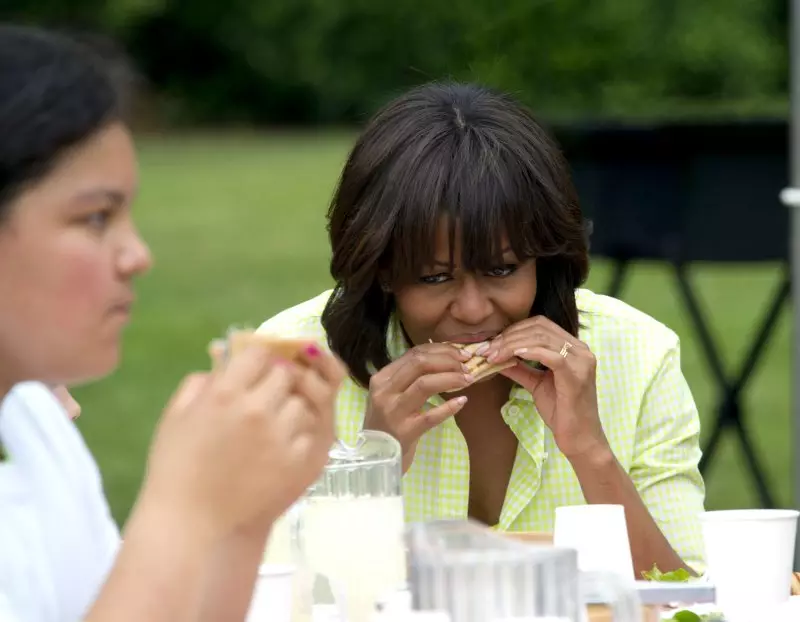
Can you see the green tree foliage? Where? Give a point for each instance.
(306, 61)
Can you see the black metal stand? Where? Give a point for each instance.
(730, 414)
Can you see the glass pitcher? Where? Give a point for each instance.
(476, 575)
(350, 527)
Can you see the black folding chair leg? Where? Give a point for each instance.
(698, 319)
(756, 470)
(729, 413)
(753, 357)
(712, 442)
(620, 272)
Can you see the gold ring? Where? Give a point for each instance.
(565, 349)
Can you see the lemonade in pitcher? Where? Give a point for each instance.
(351, 525)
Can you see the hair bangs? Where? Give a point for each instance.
(487, 199)
(417, 184)
(490, 209)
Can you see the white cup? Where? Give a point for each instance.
(279, 549)
(600, 535)
(750, 555)
(411, 616)
(272, 597)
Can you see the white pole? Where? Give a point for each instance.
(791, 197)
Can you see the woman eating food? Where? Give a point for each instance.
(69, 253)
(458, 254)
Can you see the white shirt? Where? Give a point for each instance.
(57, 537)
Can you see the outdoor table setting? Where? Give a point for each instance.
(344, 554)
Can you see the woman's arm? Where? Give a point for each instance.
(663, 494)
(232, 573)
(662, 526)
(161, 570)
(211, 476)
(665, 464)
(604, 481)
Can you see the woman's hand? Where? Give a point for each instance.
(565, 393)
(239, 445)
(398, 392)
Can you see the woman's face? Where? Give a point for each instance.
(68, 254)
(464, 307)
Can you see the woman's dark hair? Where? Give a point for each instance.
(471, 155)
(54, 94)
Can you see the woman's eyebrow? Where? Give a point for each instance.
(115, 197)
(438, 263)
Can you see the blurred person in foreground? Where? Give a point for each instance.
(456, 232)
(234, 447)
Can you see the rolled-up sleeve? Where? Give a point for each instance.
(666, 457)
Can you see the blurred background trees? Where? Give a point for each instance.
(253, 202)
(273, 62)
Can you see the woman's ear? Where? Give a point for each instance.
(383, 281)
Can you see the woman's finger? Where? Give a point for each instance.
(276, 386)
(541, 323)
(246, 368)
(299, 416)
(329, 367)
(552, 360)
(189, 390)
(388, 375)
(421, 364)
(319, 393)
(308, 433)
(429, 419)
(576, 365)
(217, 351)
(525, 376)
(506, 348)
(414, 398)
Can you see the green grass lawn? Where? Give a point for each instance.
(236, 226)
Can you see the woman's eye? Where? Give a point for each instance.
(98, 220)
(502, 271)
(434, 279)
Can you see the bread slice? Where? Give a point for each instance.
(478, 366)
(220, 350)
